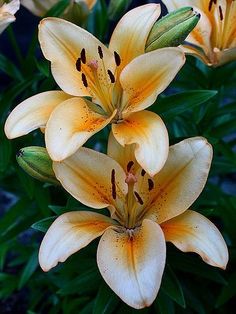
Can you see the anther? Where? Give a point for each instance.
(129, 165)
(143, 172)
(139, 199)
(150, 184)
(78, 64)
(117, 58)
(111, 76)
(221, 13)
(83, 56)
(100, 52)
(113, 184)
(84, 80)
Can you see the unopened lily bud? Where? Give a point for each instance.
(36, 162)
(117, 8)
(172, 29)
(77, 12)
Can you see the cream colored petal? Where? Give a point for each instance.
(225, 56)
(70, 125)
(130, 35)
(87, 176)
(12, 7)
(197, 52)
(192, 232)
(5, 20)
(124, 155)
(148, 132)
(133, 266)
(144, 78)
(62, 43)
(68, 234)
(33, 113)
(180, 181)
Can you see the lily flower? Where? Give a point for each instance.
(122, 81)
(7, 11)
(145, 212)
(41, 7)
(213, 40)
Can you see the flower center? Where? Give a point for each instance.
(101, 82)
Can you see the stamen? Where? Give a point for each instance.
(221, 13)
(93, 64)
(113, 184)
(117, 58)
(83, 56)
(211, 3)
(139, 199)
(100, 52)
(78, 64)
(150, 184)
(143, 172)
(84, 80)
(111, 76)
(129, 165)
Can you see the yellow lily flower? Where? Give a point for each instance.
(41, 7)
(145, 212)
(122, 81)
(7, 11)
(213, 40)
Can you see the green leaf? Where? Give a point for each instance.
(171, 106)
(87, 281)
(43, 224)
(5, 153)
(9, 68)
(58, 8)
(29, 269)
(228, 291)
(163, 304)
(106, 300)
(172, 287)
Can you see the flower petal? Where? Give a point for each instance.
(130, 35)
(33, 113)
(133, 266)
(122, 154)
(180, 181)
(62, 43)
(86, 175)
(68, 234)
(192, 232)
(144, 78)
(148, 132)
(70, 125)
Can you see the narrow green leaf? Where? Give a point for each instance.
(44, 224)
(9, 68)
(106, 300)
(29, 269)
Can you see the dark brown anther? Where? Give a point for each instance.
(111, 76)
(221, 13)
(139, 199)
(83, 56)
(129, 165)
(117, 58)
(143, 172)
(113, 184)
(78, 64)
(100, 52)
(150, 184)
(84, 80)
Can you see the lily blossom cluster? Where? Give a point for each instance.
(145, 212)
(147, 186)
(122, 81)
(213, 40)
(7, 11)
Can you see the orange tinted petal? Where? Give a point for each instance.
(133, 266)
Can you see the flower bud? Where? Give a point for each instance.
(117, 8)
(77, 12)
(172, 29)
(36, 162)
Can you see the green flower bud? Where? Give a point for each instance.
(117, 8)
(36, 162)
(77, 13)
(172, 29)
